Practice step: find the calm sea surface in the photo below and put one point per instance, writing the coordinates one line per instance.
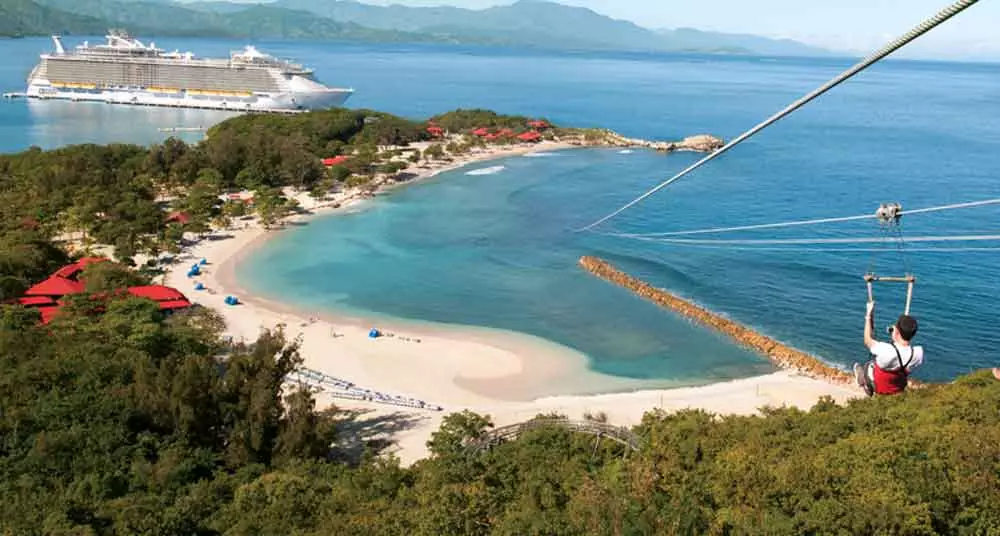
(498, 250)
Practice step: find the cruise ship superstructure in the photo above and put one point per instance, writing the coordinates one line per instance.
(127, 71)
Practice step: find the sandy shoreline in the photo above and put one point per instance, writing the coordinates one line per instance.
(501, 374)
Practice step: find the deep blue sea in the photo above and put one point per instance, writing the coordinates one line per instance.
(499, 250)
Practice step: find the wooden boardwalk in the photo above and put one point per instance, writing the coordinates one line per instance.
(618, 434)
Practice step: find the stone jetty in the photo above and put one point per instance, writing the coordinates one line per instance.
(782, 355)
(702, 143)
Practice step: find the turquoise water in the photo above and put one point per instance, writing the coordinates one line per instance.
(496, 250)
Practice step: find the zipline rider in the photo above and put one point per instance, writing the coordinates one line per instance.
(892, 363)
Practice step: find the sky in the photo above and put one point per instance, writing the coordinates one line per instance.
(844, 25)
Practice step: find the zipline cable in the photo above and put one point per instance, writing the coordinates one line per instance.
(913, 34)
(807, 241)
(717, 230)
(795, 249)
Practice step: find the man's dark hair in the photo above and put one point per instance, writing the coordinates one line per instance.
(907, 326)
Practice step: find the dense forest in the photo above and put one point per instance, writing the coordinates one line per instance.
(129, 423)
(135, 423)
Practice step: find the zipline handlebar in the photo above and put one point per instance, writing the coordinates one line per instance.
(909, 279)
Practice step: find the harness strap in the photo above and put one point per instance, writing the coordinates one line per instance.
(899, 357)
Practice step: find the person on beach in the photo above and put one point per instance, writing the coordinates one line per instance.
(892, 363)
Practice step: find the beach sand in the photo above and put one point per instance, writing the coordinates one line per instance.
(505, 375)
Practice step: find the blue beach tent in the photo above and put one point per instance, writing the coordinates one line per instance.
(374, 333)
(203, 261)
(199, 286)
(231, 300)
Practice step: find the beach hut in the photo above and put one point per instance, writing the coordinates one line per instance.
(56, 286)
(73, 271)
(506, 133)
(335, 161)
(481, 132)
(181, 218)
(48, 313)
(374, 333)
(530, 136)
(435, 131)
(36, 301)
(539, 124)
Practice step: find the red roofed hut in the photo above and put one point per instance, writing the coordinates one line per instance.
(56, 287)
(435, 131)
(179, 217)
(169, 299)
(481, 132)
(156, 293)
(73, 271)
(335, 161)
(506, 133)
(539, 124)
(48, 313)
(530, 136)
(36, 301)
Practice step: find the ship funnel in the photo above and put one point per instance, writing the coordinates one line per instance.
(59, 46)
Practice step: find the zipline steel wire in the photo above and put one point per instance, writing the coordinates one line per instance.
(796, 223)
(921, 29)
(810, 241)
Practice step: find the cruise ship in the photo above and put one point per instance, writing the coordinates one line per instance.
(126, 71)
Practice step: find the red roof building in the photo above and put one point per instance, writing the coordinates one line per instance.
(156, 293)
(338, 160)
(73, 271)
(179, 217)
(435, 131)
(66, 281)
(48, 313)
(55, 287)
(530, 136)
(538, 124)
(481, 132)
(506, 133)
(36, 301)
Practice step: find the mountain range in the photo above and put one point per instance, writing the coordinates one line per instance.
(526, 23)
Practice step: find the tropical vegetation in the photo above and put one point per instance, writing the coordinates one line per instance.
(132, 422)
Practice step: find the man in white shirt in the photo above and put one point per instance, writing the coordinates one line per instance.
(889, 370)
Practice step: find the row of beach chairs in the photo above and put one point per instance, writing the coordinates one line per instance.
(343, 389)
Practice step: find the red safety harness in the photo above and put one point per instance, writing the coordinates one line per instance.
(892, 382)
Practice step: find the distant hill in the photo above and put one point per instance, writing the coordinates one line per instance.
(25, 17)
(697, 39)
(226, 20)
(540, 23)
(527, 23)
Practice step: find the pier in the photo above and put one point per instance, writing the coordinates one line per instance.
(781, 354)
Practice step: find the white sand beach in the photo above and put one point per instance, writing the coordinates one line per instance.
(510, 377)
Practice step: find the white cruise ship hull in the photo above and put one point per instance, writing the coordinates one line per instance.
(127, 71)
(304, 100)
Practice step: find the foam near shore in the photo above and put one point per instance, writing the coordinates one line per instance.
(509, 376)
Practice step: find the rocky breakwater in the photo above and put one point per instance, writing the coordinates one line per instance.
(702, 143)
(780, 354)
